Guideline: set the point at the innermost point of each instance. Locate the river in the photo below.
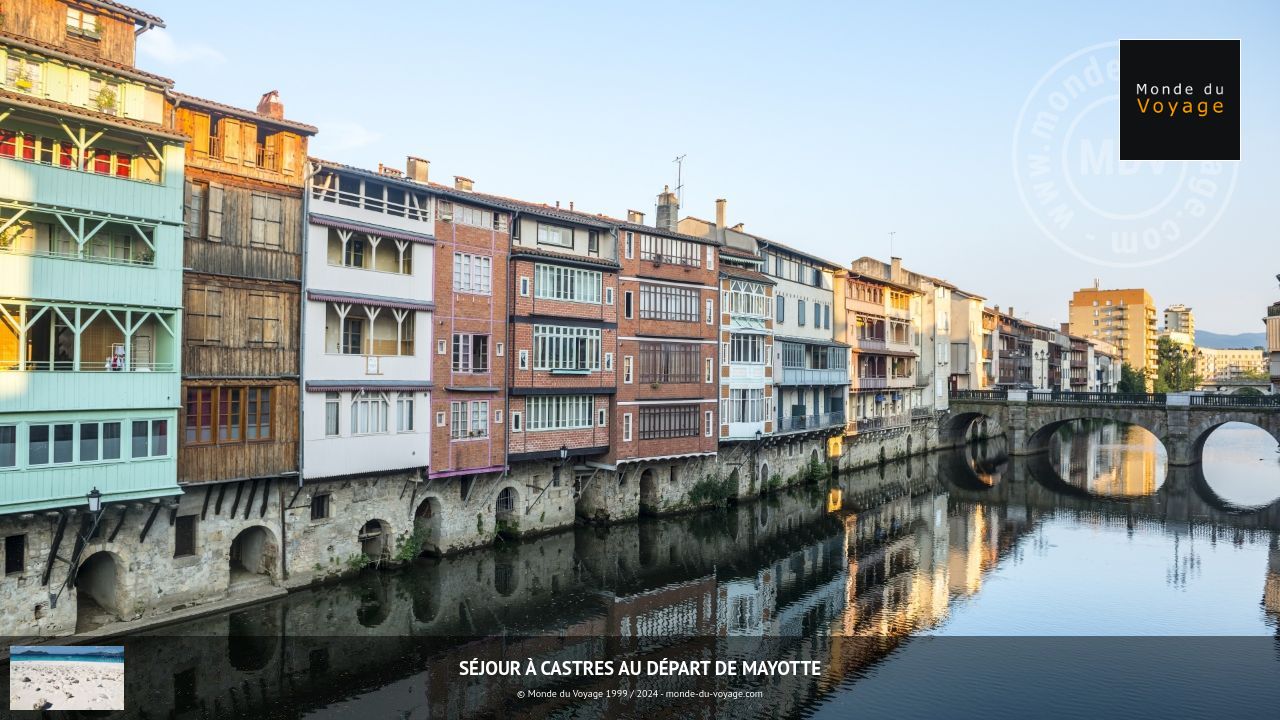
(1093, 581)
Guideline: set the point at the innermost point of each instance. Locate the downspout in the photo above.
(511, 351)
(305, 226)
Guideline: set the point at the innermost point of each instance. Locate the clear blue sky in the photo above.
(825, 125)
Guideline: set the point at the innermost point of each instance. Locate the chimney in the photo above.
(737, 228)
(1011, 313)
(271, 106)
(1097, 284)
(462, 183)
(635, 216)
(721, 211)
(895, 269)
(668, 210)
(417, 168)
(570, 206)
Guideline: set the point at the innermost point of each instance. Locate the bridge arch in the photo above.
(1043, 422)
(956, 429)
(1200, 432)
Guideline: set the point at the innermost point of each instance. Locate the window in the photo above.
(470, 353)
(199, 430)
(257, 424)
(711, 258)
(404, 412)
(150, 438)
(746, 349)
(523, 360)
(524, 287)
(708, 423)
(15, 554)
(711, 311)
(629, 249)
(662, 302)
(332, 406)
(608, 361)
(826, 317)
(626, 305)
(264, 221)
(559, 412)
(669, 250)
(472, 273)
(669, 362)
(473, 216)
(626, 427)
(264, 320)
(230, 414)
(517, 422)
(440, 419)
(626, 369)
(352, 335)
(593, 242)
(745, 298)
(197, 201)
(353, 252)
(668, 421)
(800, 313)
(8, 446)
(554, 235)
(469, 419)
(82, 24)
(792, 355)
(369, 414)
(743, 406)
(553, 282)
(38, 445)
(608, 296)
(320, 506)
(709, 370)
(497, 416)
(561, 348)
(111, 441)
(782, 309)
(602, 417)
(204, 315)
(184, 536)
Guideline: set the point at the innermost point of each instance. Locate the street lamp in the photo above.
(564, 453)
(95, 501)
(94, 497)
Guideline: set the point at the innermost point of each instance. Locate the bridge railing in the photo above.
(979, 394)
(1098, 398)
(1263, 401)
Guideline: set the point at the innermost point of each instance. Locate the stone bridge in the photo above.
(1181, 422)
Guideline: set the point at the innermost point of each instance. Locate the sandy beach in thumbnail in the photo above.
(66, 685)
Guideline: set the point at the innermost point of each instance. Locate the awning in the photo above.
(749, 326)
(369, 229)
(890, 353)
(369, 300)
(371, 385)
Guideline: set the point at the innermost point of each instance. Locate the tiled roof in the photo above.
(369, 300)
(602, 262)
(232, 110)
(146, 18)
(636, 227)
(745, 274)
(369, 229)
(357, 385)
(767, 243)
(41, 104)
(542, 209)
(45, 48)
(738, 252)
(406, 182)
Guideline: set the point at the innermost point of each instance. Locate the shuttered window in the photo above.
(265, 225)
(264, 320)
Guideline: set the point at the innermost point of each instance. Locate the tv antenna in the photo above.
(891, 234)
(679, 161)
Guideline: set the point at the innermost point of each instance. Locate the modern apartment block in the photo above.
(1124, 318)
(879, 321)
(1180, 319)
(1231, 363)
(91, 257)
(242, 282)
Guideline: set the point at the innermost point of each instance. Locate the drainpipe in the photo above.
(302, 361)
(511, 352)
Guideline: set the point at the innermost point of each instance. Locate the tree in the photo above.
(1175, 367)
(1132, 380)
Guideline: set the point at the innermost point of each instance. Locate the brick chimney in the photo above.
(271, 106)
(668, 210)
(895, 269)
(721, 211)
(417, 169)
(635, 216)
(462, 183)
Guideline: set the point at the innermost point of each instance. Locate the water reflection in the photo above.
(968, 542)
(1109, 459)
(1242, 465)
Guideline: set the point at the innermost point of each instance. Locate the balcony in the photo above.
(886, 422)
(869, 383)
(814, 376)
(800, 423)
(86, 391)
(27, 182)
(744, 371)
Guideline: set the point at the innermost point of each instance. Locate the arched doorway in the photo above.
(426, 523)
(373, 541)
(253, 557)
(504, 511)
(763, 480)
(98, 591)
(648, 492)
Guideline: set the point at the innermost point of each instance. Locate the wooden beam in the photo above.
(146, 527)
(53, 547)
(222, 491)
(236, 504)
(124, 512)
(173, 515)
(204, 511)
(248, 503)
(295, 497)
(266, 495)
(85, 523)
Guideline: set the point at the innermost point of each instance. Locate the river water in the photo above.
(1089, 582)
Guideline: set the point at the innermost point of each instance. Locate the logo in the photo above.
(1180, 99)
(1087, 198)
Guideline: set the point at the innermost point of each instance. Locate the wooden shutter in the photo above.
(258, 220)
(198, 129)
(249, 146)
(288, 153)
(229, 131)
(214, 230)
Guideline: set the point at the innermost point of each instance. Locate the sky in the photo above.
(825, 126)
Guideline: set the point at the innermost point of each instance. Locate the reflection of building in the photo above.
(1124, 318)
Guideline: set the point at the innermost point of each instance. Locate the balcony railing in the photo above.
(815, 376)
(979, 394)
(886, 422)
(105, 366)
(1236, 400)
(798, 423)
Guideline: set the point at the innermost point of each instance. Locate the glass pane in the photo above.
(62, 442)
(140, 438)
(111, 441)
(159, 438)
(88, 442)
(8, 445)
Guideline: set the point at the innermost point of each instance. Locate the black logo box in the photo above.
(1187, 68)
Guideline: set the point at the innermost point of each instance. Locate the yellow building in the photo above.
(1214, 364)
(1125, 318)
(1180, 319)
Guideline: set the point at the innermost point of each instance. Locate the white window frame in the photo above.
(559, 412)
(468, 420)
(626, 427)
(517, 424)
(523, 362)
(370, 413)
(628, 368)
(710, 369)
(558, 348)
(404, 412)
(472, 274)
(556, 282)
(709, 421)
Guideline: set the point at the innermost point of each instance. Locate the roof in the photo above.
(745, 274)
(45, 48)
(767, 243)
(738, 252)
(28, 101)
(518, 250)
(369, 229)
(241, 112)
(369, 300)
(540, 209)
(651, 230)
(403, 182)
(357, 385)
(810, 341)
(881, 281)
(133, 13)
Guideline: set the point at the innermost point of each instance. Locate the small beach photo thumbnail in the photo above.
(71, 677)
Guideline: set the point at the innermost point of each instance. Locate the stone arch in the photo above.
(254, 553)
(955, 429)
(1199, 434)
(506, 577)
(506, 511)
(428, 520)
(763, 475)
(252, 637)
(375, 540)
(374, 602)
(101, 596)
(1043, 423)
(649, 492)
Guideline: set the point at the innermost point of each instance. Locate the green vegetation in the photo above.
(358, 561)
(816, 471)
(410, 546)
(1176, 367)
(507, 528)
(1132, 380)
(773, 483)
(712, 490)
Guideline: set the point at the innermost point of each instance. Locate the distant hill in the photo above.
(1204, 338)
